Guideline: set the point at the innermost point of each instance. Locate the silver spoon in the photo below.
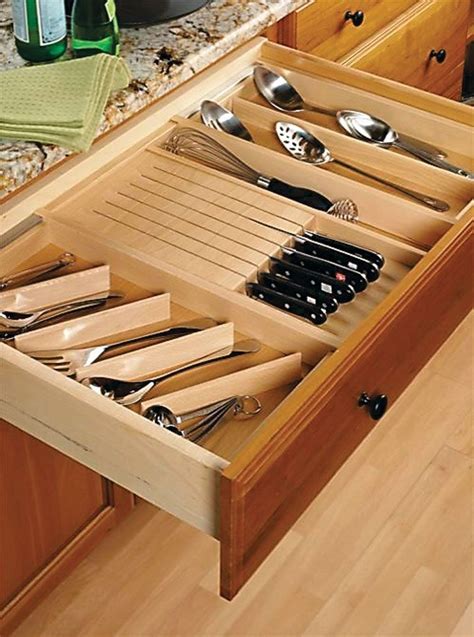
(375, 131)
(305, 147)
(216, 116)
(15, 320)
(283, 96)
(131, 392)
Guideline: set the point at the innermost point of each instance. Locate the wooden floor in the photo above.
(385, 549)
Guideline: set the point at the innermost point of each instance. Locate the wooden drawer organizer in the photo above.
(164, 224)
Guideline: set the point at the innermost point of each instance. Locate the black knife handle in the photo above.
(299, 308)
(352, 248)
(305, 196)
(316, 249)
(329, 268)
(315, 297)
(343, 292)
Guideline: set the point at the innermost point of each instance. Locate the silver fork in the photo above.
(67, 361)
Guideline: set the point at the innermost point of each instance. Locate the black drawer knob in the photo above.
(440, 55)
(377, 405)
(356, 18)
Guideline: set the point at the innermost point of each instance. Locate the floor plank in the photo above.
(386, 549)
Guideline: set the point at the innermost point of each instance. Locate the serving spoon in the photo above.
(371, 129)
(216, 116)
(283, 96)
(130, 392)
(306, 147)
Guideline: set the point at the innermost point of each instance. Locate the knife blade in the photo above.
(317, 249)
(356, 279)
(343, 292)
(284, 302)
(372, 256)
(315, 297)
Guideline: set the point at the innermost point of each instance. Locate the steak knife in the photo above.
(315, 297)
(356, 279)
(372, 256)
(316, 249)
(284, 302)
(313, 280)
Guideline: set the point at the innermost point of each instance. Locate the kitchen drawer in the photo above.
(323, 30)
(402, 51)
(247, 485)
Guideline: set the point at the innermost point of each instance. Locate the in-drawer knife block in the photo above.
(166, 224)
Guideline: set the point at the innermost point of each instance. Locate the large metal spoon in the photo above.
(375, 131)
(216, 116)
(131, 392)
(304, 146)
(283, 96)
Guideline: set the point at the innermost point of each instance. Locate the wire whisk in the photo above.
(195, 145)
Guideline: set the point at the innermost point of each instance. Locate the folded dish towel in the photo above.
(59, 103)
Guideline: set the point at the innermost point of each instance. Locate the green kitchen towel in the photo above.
(59, 103)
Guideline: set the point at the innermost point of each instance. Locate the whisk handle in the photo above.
(305, 196)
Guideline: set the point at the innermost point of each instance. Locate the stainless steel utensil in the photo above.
(20, 320)
(211, 415)
(304, 146)
(283, 96)
(375, 131)
(30, 274)
(67, 361)
(130, 392)
(216, 116)
(197, 146)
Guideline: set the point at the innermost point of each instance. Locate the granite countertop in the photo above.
(160, 58)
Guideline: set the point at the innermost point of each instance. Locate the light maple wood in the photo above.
(254, 380)
(321, 29)
(58, 290)
(399, 168)
(401, 52)
(384, 547)
(155, 359)
(121, 320)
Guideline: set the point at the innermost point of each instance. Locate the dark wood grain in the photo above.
(273, 482)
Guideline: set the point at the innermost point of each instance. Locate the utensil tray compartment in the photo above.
(313, 427)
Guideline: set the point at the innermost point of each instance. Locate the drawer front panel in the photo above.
(317, 431)
(402, 52)
(322, 29)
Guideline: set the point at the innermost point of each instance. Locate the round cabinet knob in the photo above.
(356, 18)
(377, 405)
(440, 55)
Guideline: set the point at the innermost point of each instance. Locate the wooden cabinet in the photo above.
(424, 48)
(247, 485)
(333, 28)
(54, 510)
(393, 39)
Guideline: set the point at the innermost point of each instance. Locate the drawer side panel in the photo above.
(165, 470)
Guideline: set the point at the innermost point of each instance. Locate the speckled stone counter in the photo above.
(160, 58)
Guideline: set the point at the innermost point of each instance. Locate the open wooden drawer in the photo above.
(247, 485)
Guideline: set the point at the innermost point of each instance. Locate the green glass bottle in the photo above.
(94, 28)
(40, 29)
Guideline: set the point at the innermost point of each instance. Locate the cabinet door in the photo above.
(46, 499)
